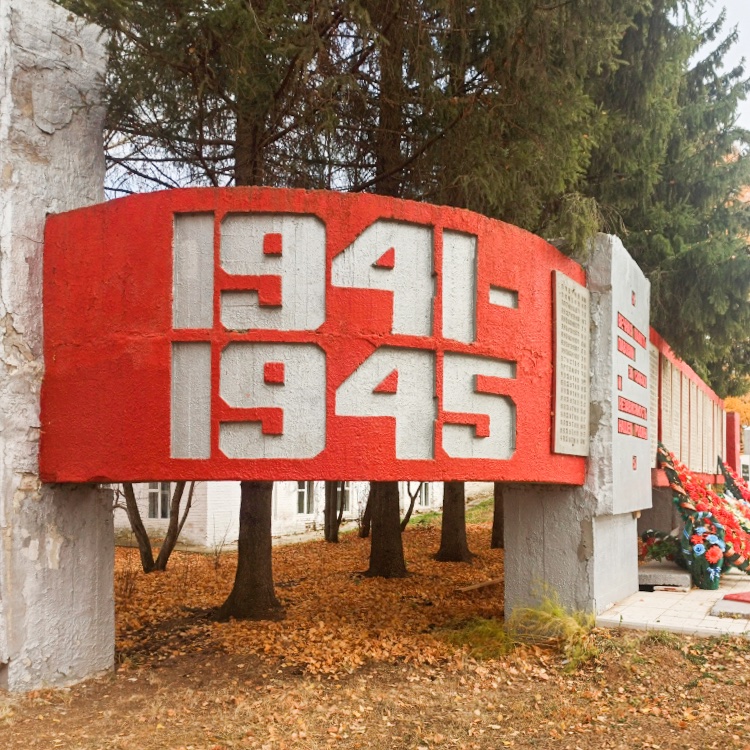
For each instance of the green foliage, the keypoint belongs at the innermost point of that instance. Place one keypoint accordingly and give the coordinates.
(549, 625)
(659, 545)
(563, 118)
(550, 622)
(481, 511)
(672, 163)
(430, 518)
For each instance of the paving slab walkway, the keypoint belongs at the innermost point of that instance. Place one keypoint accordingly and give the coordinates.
(688, 613)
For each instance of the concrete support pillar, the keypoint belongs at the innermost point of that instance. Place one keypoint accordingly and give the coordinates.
(56, 542)
(581, 541)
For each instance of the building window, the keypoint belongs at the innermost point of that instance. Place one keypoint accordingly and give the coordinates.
(158, 500)
(343, 493)
(425, 492)
(305, 497)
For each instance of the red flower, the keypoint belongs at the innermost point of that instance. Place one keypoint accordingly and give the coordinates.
(696, 539)
(713, 555)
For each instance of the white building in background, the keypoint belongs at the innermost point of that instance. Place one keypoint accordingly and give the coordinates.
(213, 520)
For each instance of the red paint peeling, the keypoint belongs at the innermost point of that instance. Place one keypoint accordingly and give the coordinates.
(108, 339)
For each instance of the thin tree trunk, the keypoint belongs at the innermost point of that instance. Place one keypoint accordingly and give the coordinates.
(253, 597)
(330, 513)
(364, 528)
(188, 506)
(139, 530)
(340, 516)
(173, 529)
(498, 519)
(386, 16)
(386, 549)
(412, 501)
(453, 544)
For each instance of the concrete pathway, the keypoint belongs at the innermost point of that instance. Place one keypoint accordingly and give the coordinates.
(678, 612)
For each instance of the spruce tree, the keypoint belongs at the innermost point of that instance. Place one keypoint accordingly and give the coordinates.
(671, 165)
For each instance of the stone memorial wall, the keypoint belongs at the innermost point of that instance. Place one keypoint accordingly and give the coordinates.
(691, 415)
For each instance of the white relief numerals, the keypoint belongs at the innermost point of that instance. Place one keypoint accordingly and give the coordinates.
(287, 252)
(395, 257)
(287, 381)
(462, 395)
(373, 390)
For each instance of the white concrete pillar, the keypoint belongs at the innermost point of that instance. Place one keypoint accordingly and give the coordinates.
(56, 542)
(581, 541)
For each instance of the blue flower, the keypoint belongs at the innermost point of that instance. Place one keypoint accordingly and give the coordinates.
(699, 549)
(700, 530)
(712, 539)
(721, 545)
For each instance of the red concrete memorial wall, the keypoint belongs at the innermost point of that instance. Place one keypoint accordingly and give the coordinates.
(276, 334)
(692, 420)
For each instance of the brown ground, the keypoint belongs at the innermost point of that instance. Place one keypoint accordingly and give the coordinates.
(362, 663)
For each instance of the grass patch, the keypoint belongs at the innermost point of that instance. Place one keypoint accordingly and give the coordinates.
(430, 518)
(664, 638)
(483, 639)
(551, 624)
(481, 512)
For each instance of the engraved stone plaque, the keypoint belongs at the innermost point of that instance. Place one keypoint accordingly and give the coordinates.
(620, 298)
(572, 378)
(676, 409)
(666, 404)
(685, 432)
(695, 446)
(653, 389)
(708, 435)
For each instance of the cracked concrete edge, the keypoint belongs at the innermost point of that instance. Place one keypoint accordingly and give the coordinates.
(56, 603)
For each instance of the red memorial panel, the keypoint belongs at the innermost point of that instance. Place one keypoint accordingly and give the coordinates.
(276, 334)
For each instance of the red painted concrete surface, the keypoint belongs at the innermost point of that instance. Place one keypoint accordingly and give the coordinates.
(108, 338)
(733, 440)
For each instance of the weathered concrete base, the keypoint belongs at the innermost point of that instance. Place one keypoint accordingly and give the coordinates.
(662, 515)
(663, 574)
(728, 608)
(57, 603)
(56, 542)
(552, 540)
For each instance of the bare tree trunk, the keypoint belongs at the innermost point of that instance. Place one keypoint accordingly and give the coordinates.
(173, 529)
(387, 18)
(340, 516)
(364, 528)
(498, 519)
(139, 530)
(413, 500)
(331, 515)
(453, 544)
(386, 549)
(253, 597)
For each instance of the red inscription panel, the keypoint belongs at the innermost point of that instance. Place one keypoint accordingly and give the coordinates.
(625, 348)
(277, 334)
(637, 376)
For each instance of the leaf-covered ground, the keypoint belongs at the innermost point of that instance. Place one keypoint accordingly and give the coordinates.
(363, 663)
(336, 619)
